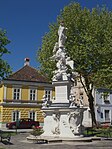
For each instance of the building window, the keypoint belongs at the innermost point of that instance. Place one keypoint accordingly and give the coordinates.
(107, 115)
(48, 94)
(16, 93)
(105, 96)
(32, 115)
(32, 94)
(81, 98)
(15, 115)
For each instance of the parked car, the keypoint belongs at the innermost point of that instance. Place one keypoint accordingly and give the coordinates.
(22, 123)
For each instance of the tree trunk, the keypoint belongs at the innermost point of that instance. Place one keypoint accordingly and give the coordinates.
(92, 111)
(88, 87)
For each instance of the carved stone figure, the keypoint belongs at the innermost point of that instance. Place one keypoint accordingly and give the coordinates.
(46, 102)
(56, 118)
(59, 55)
(75, 121)
(72, 100)
(61, 33)
(55, 48)
(81, 101)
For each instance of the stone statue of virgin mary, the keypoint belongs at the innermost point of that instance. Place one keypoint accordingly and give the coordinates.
(61, 34)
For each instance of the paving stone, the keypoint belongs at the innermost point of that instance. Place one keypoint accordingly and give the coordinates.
(19, 141)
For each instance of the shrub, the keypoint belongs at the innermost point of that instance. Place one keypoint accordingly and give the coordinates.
(37, 131)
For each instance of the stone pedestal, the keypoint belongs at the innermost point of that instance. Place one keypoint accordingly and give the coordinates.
(60, 118)
(62, 91)
(63, 122)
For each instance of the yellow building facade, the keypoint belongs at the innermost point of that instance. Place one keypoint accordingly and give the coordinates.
(21, 95)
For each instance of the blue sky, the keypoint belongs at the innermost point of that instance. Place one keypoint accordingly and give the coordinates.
(27, 21)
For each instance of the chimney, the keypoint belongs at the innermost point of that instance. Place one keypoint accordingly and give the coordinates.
(26, 61)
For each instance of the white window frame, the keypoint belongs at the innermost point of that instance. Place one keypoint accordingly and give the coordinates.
(31, 112)
(108, 97)
(47, 90)
(16, 87)
(5, 91)
(81, 96)
(109, 114)
(32, 88)
(15, 119)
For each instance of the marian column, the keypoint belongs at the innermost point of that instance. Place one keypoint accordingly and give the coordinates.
(63, 116)
(60, 56)
(61, 79)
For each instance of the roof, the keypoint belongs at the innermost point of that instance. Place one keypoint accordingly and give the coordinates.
(27, 73)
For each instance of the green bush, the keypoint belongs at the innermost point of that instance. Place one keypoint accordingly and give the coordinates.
(37, 131)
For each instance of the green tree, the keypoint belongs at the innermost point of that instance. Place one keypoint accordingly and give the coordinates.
(89, 45)
(4, 66)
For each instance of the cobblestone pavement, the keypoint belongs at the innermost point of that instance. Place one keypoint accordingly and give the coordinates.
(19, 142)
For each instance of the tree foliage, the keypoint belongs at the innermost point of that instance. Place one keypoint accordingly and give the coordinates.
(45, 52)
(4, 66)
(89, 45)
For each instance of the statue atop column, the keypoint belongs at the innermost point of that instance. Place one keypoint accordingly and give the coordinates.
(63, 115)
(61, 34)
(60, 56)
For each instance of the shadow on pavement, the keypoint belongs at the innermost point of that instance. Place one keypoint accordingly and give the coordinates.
(5, 142)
